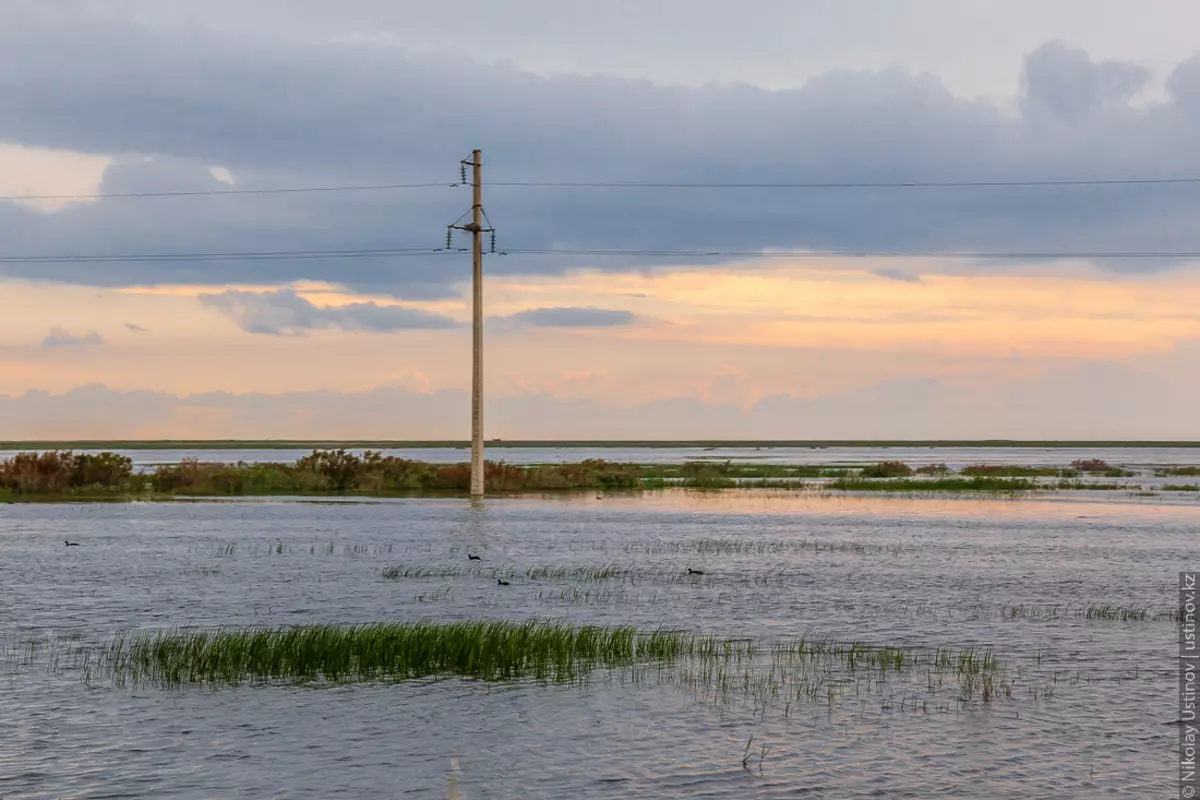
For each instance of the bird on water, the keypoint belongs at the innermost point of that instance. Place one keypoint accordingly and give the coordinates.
(472, 558)
(502, 582)
(71, 544)
(694, 571)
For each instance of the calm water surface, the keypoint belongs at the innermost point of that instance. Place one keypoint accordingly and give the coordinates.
(913, 571)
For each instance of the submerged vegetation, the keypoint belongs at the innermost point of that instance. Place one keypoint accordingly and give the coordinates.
(776, 673)
(603, 572)
(69, 475)
(1182, 472)
(951, 484)
(482, 649)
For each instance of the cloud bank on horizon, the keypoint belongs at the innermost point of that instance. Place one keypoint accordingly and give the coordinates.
(1150, 399)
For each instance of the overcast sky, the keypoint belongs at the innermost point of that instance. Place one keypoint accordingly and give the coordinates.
(181, 95)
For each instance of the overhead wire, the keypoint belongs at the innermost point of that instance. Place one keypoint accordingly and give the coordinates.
(732, 254)
(847, 185)
(233, 191)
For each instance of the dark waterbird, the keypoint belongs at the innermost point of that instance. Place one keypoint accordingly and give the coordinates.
(71, 544)
(472, 558)
(502, 582)
(694, 571)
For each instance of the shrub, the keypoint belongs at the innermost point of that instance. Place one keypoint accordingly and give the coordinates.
(63, 471)
(887, 469)
(338, 468)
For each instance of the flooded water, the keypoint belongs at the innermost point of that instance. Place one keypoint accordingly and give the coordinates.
(951, 456)
(1084, 712)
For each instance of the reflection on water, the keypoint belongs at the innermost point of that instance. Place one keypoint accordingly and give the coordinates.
(1018, 575)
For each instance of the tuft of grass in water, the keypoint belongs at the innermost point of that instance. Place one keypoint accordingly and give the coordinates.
(498, 650)
(760, 674)
(1126, 613)
(1017, 471)
(604, 572)
(400, 571)
(1190, 471)
(886, 469)
(1181, 487)
(713, 546)
(492, 650)
(1094, 466)
(944, 484)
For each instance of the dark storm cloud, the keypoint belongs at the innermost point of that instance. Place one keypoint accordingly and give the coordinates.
(573, 317)
(285, 113)
(284, 312)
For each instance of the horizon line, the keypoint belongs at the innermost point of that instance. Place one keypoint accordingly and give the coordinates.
(707, 444)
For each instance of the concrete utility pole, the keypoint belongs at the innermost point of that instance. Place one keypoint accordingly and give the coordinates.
(477, 483)
(477, 230)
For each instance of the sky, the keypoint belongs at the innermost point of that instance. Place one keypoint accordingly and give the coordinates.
(1072, 314)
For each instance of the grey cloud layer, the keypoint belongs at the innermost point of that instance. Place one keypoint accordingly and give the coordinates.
(287, 113)
(285, 312)
(573, 317)
(60, 337)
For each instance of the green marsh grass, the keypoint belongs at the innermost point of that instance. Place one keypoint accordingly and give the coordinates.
(573, 572)
(492, 650)
(762, 674)
(1016, 471)
(942, 484)
(65, 474)
(495, 650)
(1189, 471)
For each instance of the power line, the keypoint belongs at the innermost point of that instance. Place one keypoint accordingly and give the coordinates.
(226, 192)
(280, 255)
(748, 254)
(620, 185)
(848, 185)
(270, 255)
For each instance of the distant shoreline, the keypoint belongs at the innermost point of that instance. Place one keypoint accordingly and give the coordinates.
(379, 444)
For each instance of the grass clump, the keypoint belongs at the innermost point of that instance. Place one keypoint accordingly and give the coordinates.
(1098, 466)
(886, 469)
(1181, 487)
(491, 650)
(1180, 472)
(1119, 613)
(1017, 471)
(944, 484)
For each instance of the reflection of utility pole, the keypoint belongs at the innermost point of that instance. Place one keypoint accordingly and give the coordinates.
(477, 230)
